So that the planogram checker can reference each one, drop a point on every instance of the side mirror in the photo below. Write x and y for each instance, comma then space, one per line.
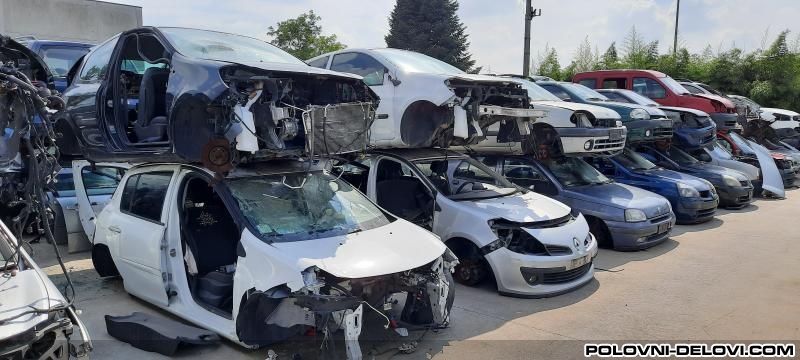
394, 80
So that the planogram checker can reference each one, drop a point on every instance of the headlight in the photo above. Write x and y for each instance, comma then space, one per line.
619, 123
639, 114
634, 215
688, 191
730, 181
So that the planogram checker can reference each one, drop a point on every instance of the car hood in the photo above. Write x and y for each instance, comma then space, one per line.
714, 170
625, 197
529, 207
389, 249
694, 112
26, 289
598, 111
674, 176
780, 111
725, 101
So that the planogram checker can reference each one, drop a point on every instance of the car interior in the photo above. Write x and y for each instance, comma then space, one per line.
402, 193
144, 73
210, 237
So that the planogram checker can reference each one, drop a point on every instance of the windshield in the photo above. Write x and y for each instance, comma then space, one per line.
633, 161
299, 206
585, 93
741, 143
674, 86
680, 157
410, 61
536, 92
721, 152
204, 44
575, 172
464, 178
60, 59
639, 99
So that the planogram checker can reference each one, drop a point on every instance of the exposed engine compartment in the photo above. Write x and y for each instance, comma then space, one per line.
270, 114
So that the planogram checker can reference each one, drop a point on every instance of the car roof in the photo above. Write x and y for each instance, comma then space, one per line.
30, 43
651, 72
248, 170
418, 154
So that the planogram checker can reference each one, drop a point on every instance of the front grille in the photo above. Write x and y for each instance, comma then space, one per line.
665, 132
608, 144
605, 123
743, 198
546, 224
565, 276
556, 250
706, 212
659, 219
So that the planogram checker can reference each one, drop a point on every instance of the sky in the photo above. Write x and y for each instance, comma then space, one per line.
496, 27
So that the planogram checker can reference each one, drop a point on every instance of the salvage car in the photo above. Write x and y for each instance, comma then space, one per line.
734, 188
691, 128
644, 123
778, 170
693, 200
664, 90
197, 96
567, 128
718, 155
269, 251
532, 245
426, 102
620, 216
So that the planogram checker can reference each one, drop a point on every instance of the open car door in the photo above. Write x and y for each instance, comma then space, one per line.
94, 186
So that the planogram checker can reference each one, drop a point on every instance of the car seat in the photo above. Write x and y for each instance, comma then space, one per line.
151, 124
401, 195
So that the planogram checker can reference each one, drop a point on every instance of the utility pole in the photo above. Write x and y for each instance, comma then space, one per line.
530, 13
675, 40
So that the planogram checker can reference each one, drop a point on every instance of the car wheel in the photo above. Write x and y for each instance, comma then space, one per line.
102, 261
600, 232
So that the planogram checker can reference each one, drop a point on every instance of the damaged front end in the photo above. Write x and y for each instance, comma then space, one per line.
464, 118
420, 298
264, 114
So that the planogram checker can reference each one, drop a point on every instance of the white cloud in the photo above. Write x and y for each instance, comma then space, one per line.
496, 28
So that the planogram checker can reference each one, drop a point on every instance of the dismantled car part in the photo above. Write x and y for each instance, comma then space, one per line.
156, 334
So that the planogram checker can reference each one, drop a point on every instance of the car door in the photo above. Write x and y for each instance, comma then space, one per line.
376, 76
137, 230
400, 173
94, 186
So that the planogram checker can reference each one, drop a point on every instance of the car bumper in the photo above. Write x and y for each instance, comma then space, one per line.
598, 140
788, 176
695, 210
726, 121
555, 274
640, 235
649, 130
735, 197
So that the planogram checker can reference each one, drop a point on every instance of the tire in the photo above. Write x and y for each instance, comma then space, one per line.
470, 272
600, 231
102, 261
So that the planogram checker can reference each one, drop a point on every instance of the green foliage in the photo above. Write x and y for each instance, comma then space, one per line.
549, 65
433, 28
770, 76
302, 37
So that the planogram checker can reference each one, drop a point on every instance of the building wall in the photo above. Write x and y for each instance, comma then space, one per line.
74, 20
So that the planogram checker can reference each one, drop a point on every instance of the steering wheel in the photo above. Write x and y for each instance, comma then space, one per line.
464, 184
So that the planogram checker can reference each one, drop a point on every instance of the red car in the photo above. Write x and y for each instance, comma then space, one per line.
663, 90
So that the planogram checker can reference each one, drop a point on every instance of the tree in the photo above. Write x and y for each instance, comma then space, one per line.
431, 27
610, 59
302, 36
636, 50
549, 66
585, 59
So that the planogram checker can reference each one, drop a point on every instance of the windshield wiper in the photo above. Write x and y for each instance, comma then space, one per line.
595, 99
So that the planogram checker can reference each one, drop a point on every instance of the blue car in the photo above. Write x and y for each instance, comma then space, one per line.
692, 129
644, 123
693, 200
59, 57
620, 216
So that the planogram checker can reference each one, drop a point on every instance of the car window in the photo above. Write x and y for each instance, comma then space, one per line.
139, 66
465, 171
590, 83
561, 94
101, 180
692, 89
144, 194
64, 185
320, 63
616, 83
96, 63
517, 169
60, 59
360, 64
649, 88
616, 96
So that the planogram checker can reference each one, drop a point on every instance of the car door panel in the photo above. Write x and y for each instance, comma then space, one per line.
89, 202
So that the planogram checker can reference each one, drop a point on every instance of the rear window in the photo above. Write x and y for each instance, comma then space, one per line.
590, 83
320, 63
144, 194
